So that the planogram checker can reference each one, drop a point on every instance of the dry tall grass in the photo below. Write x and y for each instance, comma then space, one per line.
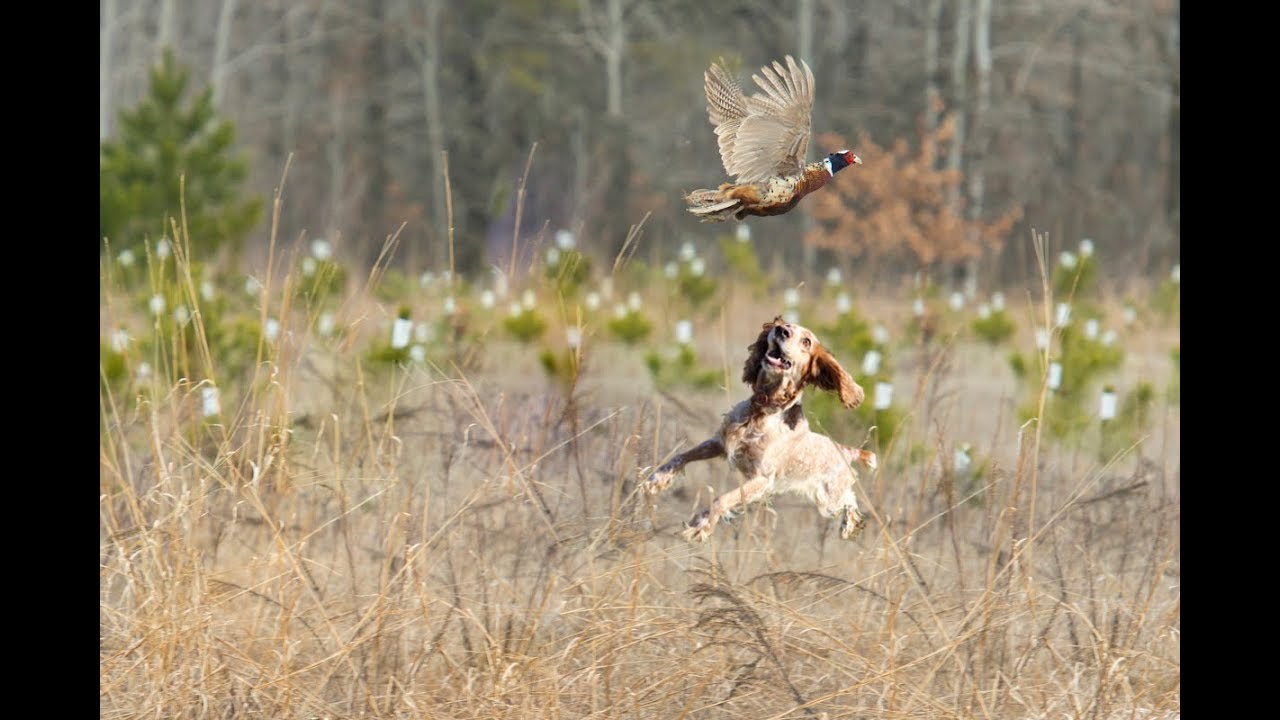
445, 543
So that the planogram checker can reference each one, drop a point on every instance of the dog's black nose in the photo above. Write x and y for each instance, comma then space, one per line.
784, 332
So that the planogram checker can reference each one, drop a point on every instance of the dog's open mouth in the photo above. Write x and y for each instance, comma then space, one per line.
775, 358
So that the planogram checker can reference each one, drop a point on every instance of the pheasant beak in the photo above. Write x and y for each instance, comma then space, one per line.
857, 160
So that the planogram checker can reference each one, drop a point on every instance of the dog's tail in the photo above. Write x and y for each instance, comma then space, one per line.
866, 457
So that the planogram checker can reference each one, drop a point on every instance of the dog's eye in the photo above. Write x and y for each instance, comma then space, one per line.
806, 342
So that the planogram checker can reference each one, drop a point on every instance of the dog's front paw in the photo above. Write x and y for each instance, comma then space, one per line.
852, 523
658, 481
699, 528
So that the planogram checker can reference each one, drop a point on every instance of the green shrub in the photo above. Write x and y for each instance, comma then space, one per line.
525, 326
233, 343
1084, 360
382, 351
930, 321
112, 365
1168, 300
693, 284
694, 287
631, 328
318, 280
563, 367
382, 354
395, 286
1075, 276
1131, 423
231, 325
993, 329
567, 271
850, 336
742, 264
1018, 365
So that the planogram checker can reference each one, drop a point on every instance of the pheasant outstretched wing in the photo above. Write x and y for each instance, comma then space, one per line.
768, 133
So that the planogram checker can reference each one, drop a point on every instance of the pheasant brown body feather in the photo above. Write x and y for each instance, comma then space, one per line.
773, 196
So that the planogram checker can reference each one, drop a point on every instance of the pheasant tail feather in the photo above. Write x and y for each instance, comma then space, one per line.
709, 205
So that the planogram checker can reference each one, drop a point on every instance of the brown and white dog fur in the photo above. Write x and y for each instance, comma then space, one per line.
768, 440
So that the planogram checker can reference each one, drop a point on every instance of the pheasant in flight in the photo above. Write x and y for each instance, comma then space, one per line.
763, 140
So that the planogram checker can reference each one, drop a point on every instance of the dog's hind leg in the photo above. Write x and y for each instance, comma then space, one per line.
852, 521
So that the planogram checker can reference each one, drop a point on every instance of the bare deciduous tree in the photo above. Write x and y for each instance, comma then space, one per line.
106, 44
222, 46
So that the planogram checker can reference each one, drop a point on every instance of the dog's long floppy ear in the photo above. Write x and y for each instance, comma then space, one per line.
756, 352
826, 373
755, 355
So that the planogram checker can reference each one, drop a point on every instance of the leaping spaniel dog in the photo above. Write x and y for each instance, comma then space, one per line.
768, 440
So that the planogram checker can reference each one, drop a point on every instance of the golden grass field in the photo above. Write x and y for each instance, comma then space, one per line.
466, 541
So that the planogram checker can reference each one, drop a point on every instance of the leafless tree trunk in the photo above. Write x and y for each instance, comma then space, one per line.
374, 136
607, 35
106, 43
1075, 131
804, 45
221, 47
167, 33
932, 99
581, 162
978, 132
336, 151
1174, 200
959, 90
431, 54
293, 76
804, 33
615, 49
